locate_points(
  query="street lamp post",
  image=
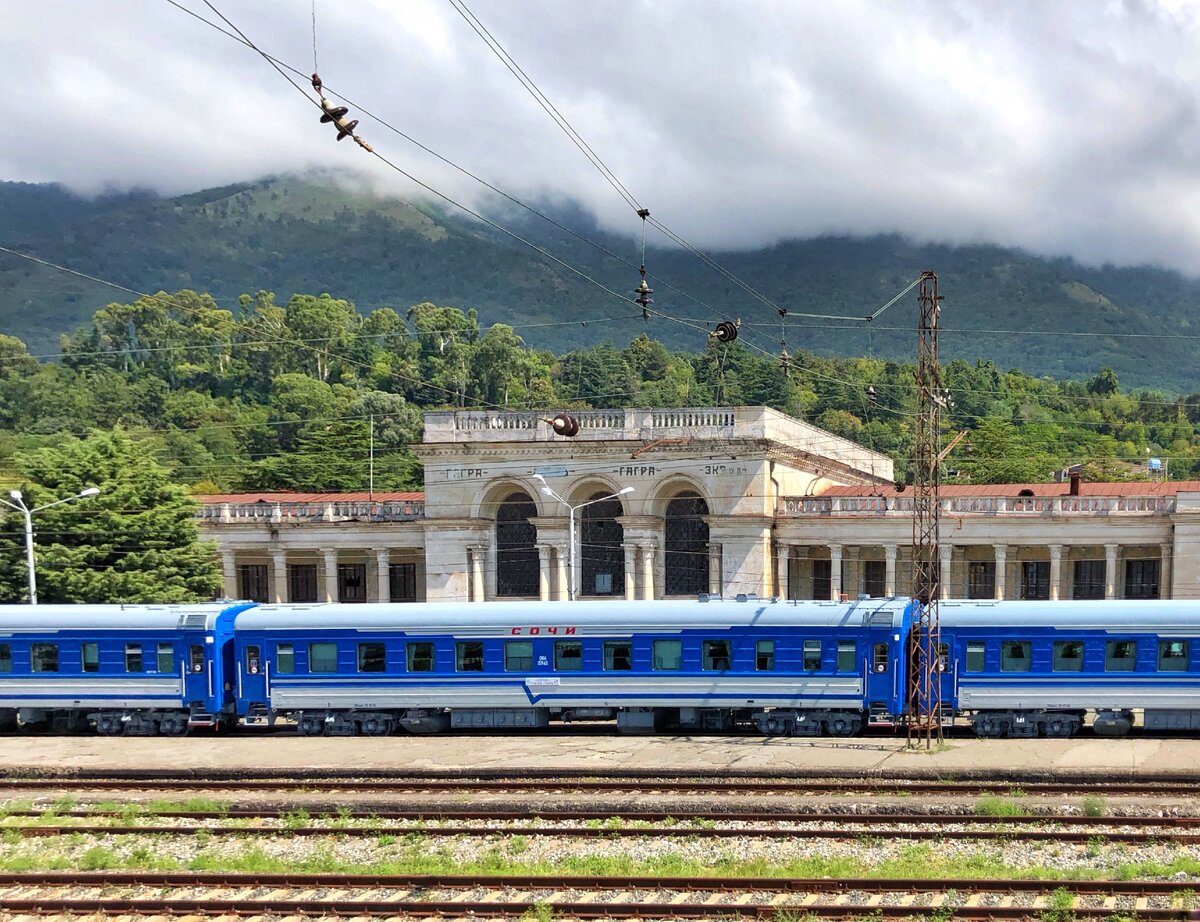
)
(18, 503)
(571, 510)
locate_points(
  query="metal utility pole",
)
(924, 678)
(571, 510)
(18, 504)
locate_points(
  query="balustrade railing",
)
(979, 505)
(305, 512)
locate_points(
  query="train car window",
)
(468, 656)
(1120, 655)
(943, 657)
(618, 655)
(43, 657)
(166, 658)
(196, 657)
(1068, 656)
(1173, 656)
(89, 656)
(285, 658)
(5, 658)
(419, 656)
(975, 651)
(668, 655)
(716, 655)
(879, 658)
(372, 657)
(1016, 655)
(568, 655)
(846, 656)
(764, 655)
(518, 656)
(322, 657)
(253, 659)
(133, 658)
(812, 655)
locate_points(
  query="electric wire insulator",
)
(871, 395)
(316, 83)
(565, 424)
(726, 332)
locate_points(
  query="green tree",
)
(137, 541)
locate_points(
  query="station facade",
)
(723, 501)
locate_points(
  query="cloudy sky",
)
(1063, 127)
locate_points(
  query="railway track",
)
(451, 896)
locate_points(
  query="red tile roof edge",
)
(379, 496)
(1147, 488)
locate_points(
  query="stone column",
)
(630, 572)
(1164, 572)
(647, 571)
(1110, 571)
(229, 574)
(853, 581)
(279, 576)
(1055, 570)
(835, 572)
(944, 576)
(543, 572)
(715, 563)
(561, 572)
(477, 554)
(331, 592)
(889, 569)
(383, 574)
(783, 556)
(1001, 552)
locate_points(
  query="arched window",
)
(516, 551)
(601, 555)
(686, 559)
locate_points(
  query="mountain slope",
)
(290, 235)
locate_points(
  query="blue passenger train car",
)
(1039, 668)
(786, 668)
(136, 669)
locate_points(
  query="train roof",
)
(1139, 615)
(51, 618)
(623, 616)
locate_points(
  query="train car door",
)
(198, 675)
(882, 673)
(251, 674)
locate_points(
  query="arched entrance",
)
(686, 545)
(516, 549)
(601, 551)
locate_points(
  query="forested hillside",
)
(290, 235)
(275, 395)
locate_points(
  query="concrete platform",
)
(1132, 758)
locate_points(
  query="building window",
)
(166, 658)
(419, 656)
(352, 582)
(285, 659)
(846, 656)
(602, 551)
(822, 579)
(372, 657)
(322, 657)
(812, 655)
(43, 657)
(1141, 579)
(1068, 656)
(568, 655)
(1120, 655)
(90, 657)
(668, 655)
(981, 579)
(517, 562)
(133, 657)
(618, 655)
(1035, 579)
(685, 565)
(874, 578)
(5, 657)
(468, 656)
(1016, 655)
(764, 655)
(402, 582)
(1089, 580)
(302, 582)
(252, 582)
(518, 656)
(1172, 656)
(716, 655)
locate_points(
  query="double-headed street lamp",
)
(546, 491)
(18, 503)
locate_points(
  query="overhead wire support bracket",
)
(643, 290)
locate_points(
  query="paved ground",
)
(876, 755)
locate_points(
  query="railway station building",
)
(724, 501)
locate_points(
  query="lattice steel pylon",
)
(924, 713)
